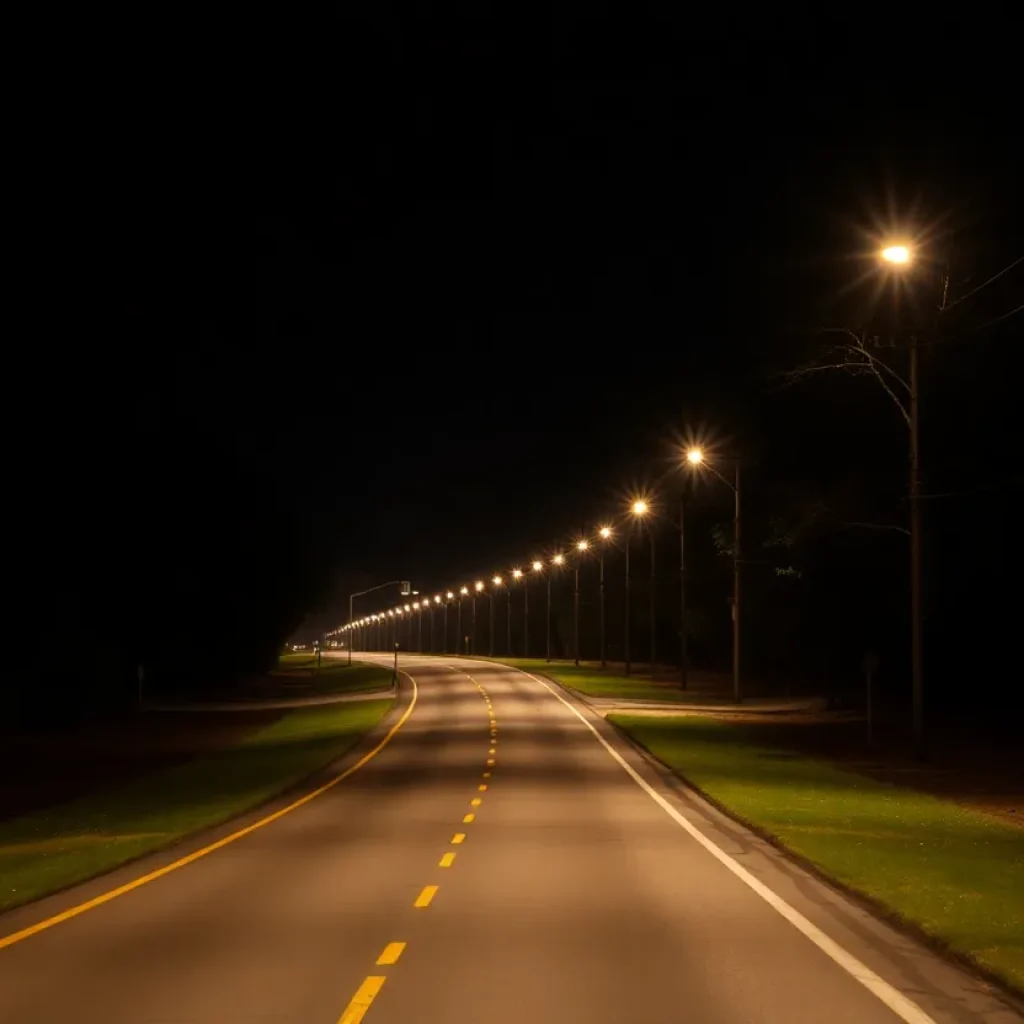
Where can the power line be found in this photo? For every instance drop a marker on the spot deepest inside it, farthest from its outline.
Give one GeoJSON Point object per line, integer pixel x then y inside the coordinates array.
{"type": "Point", "coordinates": [997, 319]}
{"type": "Point", "coordinates": [985, 284]}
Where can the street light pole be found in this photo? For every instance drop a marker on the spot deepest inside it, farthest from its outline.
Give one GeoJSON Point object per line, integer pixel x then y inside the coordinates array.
{"type": "Point", "coordinates": [684, 650]}
{"type": "Point", "coordinates": [526, 616]}
{"type": "Point", "coordinates": [654, 601]}
{"type": "Point", "coordinates": [625, 640]}
{"type": "Point", "coordinates": [736, 590]}
{"type": "Point", "coordinates": [695, 457]}
{"type": "Point", "coordinates": [548, 655]}
{"type": "Point", "coordinates": [576, 615]}
{"type": "Point", "coordinates": [490, 634]}
{"type": "Point", "coordinates": [916, 611]}
{"type": "Point", "coordinates": [508, 623]}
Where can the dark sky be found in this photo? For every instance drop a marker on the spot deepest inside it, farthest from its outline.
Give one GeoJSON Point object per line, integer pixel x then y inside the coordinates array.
{"type": "Point", "coordinates": [406, 298]}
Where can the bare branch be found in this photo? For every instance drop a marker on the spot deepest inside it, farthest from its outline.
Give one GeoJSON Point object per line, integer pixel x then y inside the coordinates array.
{"type": "Point", "coordinates": [854, 357]}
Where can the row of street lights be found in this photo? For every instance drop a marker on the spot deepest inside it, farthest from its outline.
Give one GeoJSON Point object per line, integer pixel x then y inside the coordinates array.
{"type": "Point", "coordinates": [382, 627]}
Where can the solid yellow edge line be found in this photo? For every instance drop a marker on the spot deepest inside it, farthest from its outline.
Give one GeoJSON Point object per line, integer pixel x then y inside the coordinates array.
{"type": "Point", "coordinates": [362, 1000]}
{"type": "Point", "coordinates": [152, 876]}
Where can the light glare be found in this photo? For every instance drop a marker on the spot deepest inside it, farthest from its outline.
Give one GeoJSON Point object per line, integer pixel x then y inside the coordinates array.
{"type": "Point", "coordinates": [896, 254]}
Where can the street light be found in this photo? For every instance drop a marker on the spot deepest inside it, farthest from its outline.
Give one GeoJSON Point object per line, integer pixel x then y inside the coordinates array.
{"type": "Point", "coordinates": [517, 575]}
{"type": "Point", "coordinates": [497, 581]}
{"type": "Point", "coordinates": [478, 588]}
{"type": "Point", "coordinates": [537, 566]}
{"type": "Point", "coordinates": [696, 457]}
{"type": "Point", "coordinates": [605, 533]}
{"type": "Point", "coordinates": [448, 598]}
{"type": "Point", "coordinates": [463, 591]}
{"type": "Point", "coordinates": [898, 254]}
{"type": "Point", "coordinates": [556, 561]}
{"type": "Point", "coordinates": [581, 546]}
{"type": "Point", "coordinates": [638, 509]}
{"type": "Point", "coordinates": [899, 257]}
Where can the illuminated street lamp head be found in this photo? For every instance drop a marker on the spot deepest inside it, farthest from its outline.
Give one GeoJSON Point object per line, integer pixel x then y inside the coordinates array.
{"type": "Point", "coordinates": [416, 604]}
{"type": "Point", "coordinates": [558, 559]}
{"type": "Point", "coordinates": [896, 254]}
{"type": "Point", "coordinates": [496, 580]}
{"type": "Point", "coordinates": [695, 456]}
{"type": "Point", "coordinates": [450, 596]}
{"type": "Point", "coordinates": [605, 532]}
{"type": "Point", "coordinates": [537, 566]}
{"type": "Point", "coordinates": [582, 545]}
{"type": "Point", "coordinates": [479, 585]}
{"type": "Point", "coordinates": [639, 508]}
{"type": "Point", "coordinates": [407, 608]}
{"type": "Point", "coordinates": [437, 598]}
{"type": "Point", "coordinates": [464, 590]}
{"type": "Point", "coordinates": [517, 574]}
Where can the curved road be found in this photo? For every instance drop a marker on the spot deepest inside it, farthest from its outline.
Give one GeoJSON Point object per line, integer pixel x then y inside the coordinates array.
{"type": "Point", "coordinates": [503, 858]}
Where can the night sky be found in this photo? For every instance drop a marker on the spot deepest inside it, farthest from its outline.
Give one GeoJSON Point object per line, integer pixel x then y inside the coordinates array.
{"type": "Point", "coordinates": [405, 299]}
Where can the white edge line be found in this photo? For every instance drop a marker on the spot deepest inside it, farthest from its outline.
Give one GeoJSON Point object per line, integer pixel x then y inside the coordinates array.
{"type": "Point", "coordinates": [904, 1008]}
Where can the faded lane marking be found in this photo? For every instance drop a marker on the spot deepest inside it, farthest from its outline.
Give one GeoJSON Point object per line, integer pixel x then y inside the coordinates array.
{"type": "Point", "coordinates": [362, 1000]}
{"type": "Point", "coordinates": [152, 876]}
{"type": "Point", "coordinates": [482, 787]}
{"type": "Point", "coordinates": [392, 951]}
{"type": "Point", "coordinates": [424, 898]}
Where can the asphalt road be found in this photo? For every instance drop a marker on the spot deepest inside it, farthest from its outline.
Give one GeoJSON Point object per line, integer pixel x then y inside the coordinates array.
{"type": "Point", "coordinates": [511, 868]}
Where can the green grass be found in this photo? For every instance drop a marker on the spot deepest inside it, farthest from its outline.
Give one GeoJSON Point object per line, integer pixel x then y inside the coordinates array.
{"type": "Point", "coordinates": [954, 873]}
{"type": "Point", "coordinates": [335, 675]}
{"type": "Point", "coordinates": [54, 847]}
{"type": "Point", "coordinates": [595, 682]}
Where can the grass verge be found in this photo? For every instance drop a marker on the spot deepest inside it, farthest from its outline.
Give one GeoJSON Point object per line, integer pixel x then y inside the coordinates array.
{"type": "Point", "coordinates": [594, 681]}
{"type": "Point", "coordinates": [953, 873]}
{"type": "Point", "coordinates": [297, 675]}
{"type": "Point", "coordinates": [54, 847]}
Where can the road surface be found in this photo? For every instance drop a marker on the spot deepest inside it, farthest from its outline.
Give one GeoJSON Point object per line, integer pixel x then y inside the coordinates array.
{"type": "Point", "coordinates": [503, 858]}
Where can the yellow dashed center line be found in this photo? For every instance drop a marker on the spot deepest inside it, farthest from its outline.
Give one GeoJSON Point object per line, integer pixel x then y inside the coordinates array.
{"type": "Point", "coordinates": [490, 760]}
{"type": "Point", "coordinates": [468, 819]}
{"type": "Point", "coordinates": [491, 751]}
{"type": "Point", "coordinates": [475, 802]}
{"type": "Point", "coordinates": [362, 1000]}
{"type": "Point", "coordinates": [392, 951]}
{"type": "Point", "coordinates": [424, 898]}
{"type": "Point", "coordinates": [487, 775]}
{"type": "Point", "coordinates": [482, 787]}
{"type": "Point", "coordinates": [459, 837]}
{"type": "Point", "coordinates": [447, 860]}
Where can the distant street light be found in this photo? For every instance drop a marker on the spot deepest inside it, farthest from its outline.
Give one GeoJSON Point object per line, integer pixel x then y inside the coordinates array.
{"type": "Point", "coordinates": [605, 533]}
{"type": "Point", "coordinates": [517, 577]}
{"type": "Point", "coordinates": [557, 561]}
{"type": "Point", "coordinates": [478, 588]}
{"type": "Point", "coordinates": [537, 566]}
{"type": "Point", "coordinates": [581, 547]}
{"type": "Point", "coordinates": [497, 581]}
{"type": "Point", "coordinates": [463, 591]}
{"type": "Point", "coordinates": [638, 509]}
